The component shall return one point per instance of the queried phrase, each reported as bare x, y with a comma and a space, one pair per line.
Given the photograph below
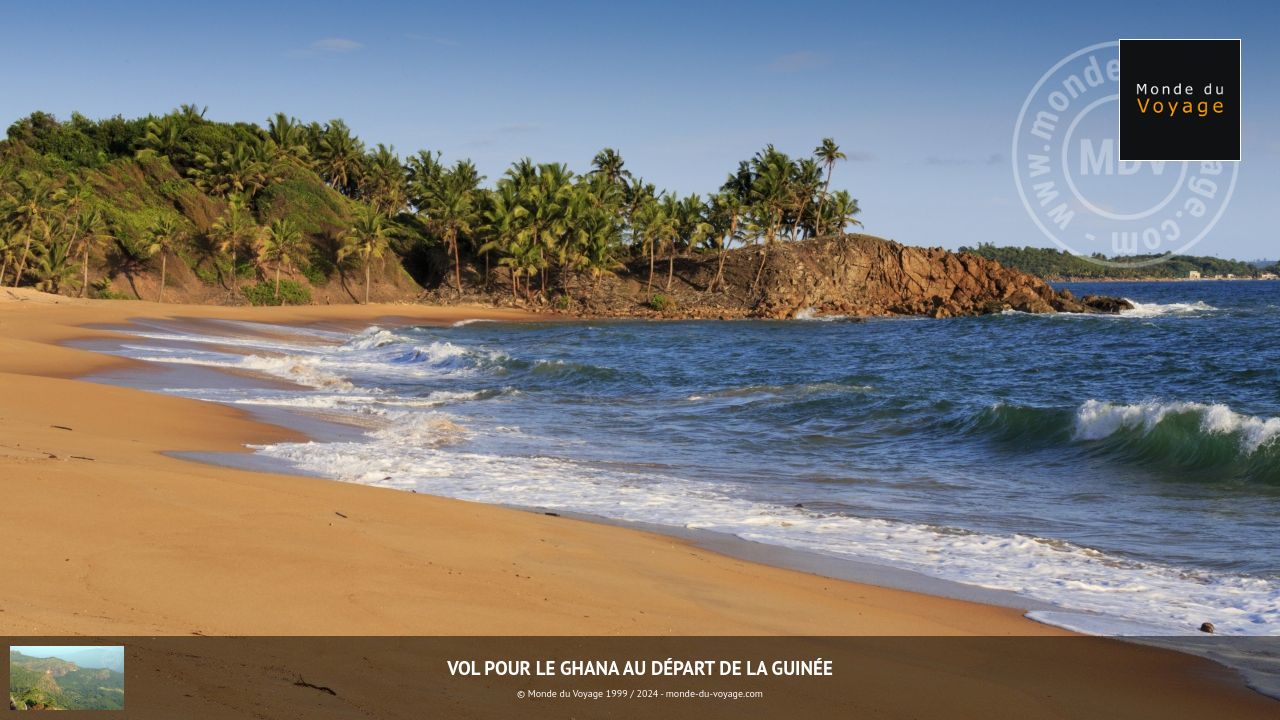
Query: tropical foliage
234, 201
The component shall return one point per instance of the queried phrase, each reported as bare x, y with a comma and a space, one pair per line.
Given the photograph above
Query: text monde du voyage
1180, 99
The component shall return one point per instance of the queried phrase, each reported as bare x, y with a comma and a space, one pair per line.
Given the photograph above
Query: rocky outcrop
849, 275
863, 275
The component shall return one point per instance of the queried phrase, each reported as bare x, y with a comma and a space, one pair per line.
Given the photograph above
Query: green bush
317, 270
264, 293
662, 303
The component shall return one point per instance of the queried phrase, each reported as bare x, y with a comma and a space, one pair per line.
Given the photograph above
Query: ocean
1123, 469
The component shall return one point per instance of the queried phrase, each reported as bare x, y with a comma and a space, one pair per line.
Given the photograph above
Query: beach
108, 534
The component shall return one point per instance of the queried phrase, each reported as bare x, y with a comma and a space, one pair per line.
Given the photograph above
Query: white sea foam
1096, 420
810, 313
426, 457
1147, 310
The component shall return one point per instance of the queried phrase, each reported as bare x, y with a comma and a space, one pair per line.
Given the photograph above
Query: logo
1082, 196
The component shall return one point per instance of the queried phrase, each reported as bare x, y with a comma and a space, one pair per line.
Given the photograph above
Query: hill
1052, 264
56, 684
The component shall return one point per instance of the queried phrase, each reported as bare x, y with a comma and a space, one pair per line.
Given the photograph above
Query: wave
1148, 310
1140, 310
433, 457
1211, 440
811, 314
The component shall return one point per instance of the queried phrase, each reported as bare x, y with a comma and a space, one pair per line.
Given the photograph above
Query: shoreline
243, 532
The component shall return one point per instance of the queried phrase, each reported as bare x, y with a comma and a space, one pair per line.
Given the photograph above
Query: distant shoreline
1154, 279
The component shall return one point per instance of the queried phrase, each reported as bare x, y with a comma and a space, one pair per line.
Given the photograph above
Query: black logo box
1187, 68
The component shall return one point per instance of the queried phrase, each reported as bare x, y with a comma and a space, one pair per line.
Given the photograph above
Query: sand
105, 534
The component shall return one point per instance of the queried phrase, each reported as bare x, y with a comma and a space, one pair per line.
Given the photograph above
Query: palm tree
452, 210
91, 229
280, 245
367, 240
726, 209
839, 213
608, 164
827, 153
230, 232
164, 234
502, 217
34, 203
287, 139
243, 171
771, 191
53, 266
806, 174
341, 155
383, 182
163, 137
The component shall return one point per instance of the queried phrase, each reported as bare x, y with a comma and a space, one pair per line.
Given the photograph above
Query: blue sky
923, 96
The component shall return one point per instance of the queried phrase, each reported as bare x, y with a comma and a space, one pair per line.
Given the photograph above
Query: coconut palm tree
839, 213
608, 164
341, 156
53, 266
280, 245
771, 190
827, 153
34, 204
243, 171
367, 240
231, 232
806, 175
545, 195
91, 230
163, 137
164, 234
383, 181
452, 209
501, 224
287, 139
725, 211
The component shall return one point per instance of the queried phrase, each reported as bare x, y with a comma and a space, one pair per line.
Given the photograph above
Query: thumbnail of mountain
57, 684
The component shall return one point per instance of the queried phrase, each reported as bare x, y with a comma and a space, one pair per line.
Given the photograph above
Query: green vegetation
1057, 265
55, 684
86, 201
280, 292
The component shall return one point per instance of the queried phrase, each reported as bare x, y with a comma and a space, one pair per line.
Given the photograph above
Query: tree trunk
457, 261
651, 254
277, 281
514, 297
366, 280
4, 268
764, 255
826, 188
164, 273
84, 285
22, 264
671, 267
724, 249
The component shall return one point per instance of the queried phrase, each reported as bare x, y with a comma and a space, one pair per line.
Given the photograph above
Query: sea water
1123, 468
